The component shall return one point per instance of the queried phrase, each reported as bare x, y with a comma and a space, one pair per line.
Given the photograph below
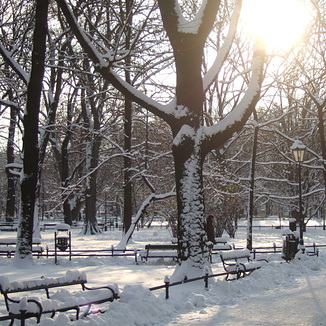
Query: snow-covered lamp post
298, 151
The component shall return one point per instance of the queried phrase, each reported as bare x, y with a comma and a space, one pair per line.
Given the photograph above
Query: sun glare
280, 23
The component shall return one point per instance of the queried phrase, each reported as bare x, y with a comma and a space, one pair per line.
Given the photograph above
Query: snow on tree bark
189, 183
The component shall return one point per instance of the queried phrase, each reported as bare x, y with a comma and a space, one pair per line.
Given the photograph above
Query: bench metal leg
87, 311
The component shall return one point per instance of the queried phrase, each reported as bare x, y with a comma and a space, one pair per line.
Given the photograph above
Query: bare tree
192, 140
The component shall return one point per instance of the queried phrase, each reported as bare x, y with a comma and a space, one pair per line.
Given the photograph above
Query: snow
70, 276
279, 293
234, 254
297, 144
14, 64
62, 227
210, 76
190, 26
252, 91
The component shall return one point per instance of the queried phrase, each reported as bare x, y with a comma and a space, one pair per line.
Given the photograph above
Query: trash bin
290, 246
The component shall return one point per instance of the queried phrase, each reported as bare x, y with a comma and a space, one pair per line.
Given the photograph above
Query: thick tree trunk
187, 148
30, 138
192, 140
193, 250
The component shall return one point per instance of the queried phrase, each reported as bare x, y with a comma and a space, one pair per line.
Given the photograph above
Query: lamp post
106, 191
298, 151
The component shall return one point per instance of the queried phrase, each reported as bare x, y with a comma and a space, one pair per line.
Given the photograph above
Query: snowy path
300, 304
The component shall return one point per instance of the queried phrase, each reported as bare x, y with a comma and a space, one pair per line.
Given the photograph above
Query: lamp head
298, 150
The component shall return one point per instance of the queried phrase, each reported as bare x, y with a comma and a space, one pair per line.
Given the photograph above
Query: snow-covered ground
278, 294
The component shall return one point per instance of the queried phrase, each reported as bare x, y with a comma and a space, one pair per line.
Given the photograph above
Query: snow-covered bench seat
239, 263
221, 244
40, 302
159, 251
8, 247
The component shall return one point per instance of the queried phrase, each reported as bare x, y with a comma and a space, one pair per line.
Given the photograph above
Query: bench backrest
13, 289
71, 278
235, 254
161, 247
13, 241
221, 240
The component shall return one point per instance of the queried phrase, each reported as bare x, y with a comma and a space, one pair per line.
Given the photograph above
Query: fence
278, 226
167, 283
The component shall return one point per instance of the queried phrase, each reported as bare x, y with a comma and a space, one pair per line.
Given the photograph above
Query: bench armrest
115, 294
261, 259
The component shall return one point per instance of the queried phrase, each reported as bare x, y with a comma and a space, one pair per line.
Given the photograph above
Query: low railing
111, 252
168, 284
278, 227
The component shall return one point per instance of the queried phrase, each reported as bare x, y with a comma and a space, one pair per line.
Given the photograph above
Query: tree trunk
252, 187
320, 110
187, 151
91, 226
127, 185
65, 177
93, 141
30, 138
11, 178
193, 250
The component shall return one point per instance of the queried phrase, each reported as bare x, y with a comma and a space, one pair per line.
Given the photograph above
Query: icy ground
278, 294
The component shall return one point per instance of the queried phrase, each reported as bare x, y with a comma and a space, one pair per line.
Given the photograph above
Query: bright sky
280, 23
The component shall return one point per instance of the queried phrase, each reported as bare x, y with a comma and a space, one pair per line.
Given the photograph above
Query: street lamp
298, 150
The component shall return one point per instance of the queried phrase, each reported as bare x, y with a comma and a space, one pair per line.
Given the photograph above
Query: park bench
8, 247
47, 226
221, 244
8, 226
60, 301
108, 224
171, 250
312, 250
239, 263
159, 251
215, 248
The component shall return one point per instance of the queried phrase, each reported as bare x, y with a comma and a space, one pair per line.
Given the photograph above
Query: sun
279, 23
